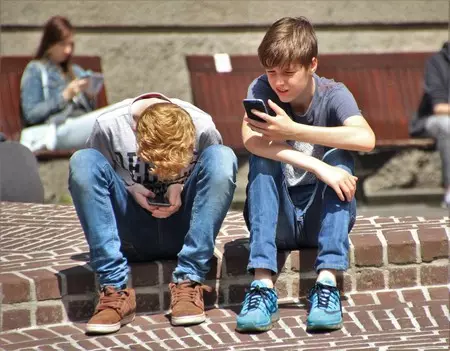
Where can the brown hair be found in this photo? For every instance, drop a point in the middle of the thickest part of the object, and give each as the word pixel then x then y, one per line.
pixel 288 40
pixel 166 136
pixel 55 30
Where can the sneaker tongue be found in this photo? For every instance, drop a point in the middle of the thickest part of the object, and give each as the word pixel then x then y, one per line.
pixel 258 283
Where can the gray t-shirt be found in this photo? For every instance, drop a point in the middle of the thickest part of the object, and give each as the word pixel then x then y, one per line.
pixel 331 105
pixel 113 136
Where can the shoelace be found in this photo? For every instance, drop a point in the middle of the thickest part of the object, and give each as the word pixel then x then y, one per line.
pixel 111 298
pixel 254 297
pixel 187 290
pixel 324 293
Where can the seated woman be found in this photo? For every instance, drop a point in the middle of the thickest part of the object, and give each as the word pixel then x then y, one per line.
pixel 53 93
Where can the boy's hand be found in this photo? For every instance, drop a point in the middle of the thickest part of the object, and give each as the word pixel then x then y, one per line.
pixel 174 196
pixel 279 127
pixel 342 182
pixel 140 194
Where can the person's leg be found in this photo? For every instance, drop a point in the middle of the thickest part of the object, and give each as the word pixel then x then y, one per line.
pixel 439 128
pixel 271 219
pixel 112 222
pixel 328 221
pixel 206 198
pixel 75 131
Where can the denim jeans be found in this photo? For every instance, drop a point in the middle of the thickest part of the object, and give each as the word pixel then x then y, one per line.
pixel 282 218
pixel 117 228
pixel 438 127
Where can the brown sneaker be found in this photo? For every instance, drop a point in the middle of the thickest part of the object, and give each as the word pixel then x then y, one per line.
pixel 186 302
pixel 114 309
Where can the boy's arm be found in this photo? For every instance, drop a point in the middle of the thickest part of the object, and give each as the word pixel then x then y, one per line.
pixel 343 183
pixel 355 134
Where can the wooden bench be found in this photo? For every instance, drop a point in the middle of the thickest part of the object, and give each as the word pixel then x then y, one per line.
pixel 387 87
pixel 11 69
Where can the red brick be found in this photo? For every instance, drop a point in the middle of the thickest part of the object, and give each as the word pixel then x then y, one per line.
pixel 304 260
pixel 79 280
pixel 49 314
pixel 144 274
pixel 368 250
pixel 413 295
pixel 369 279
pixel 147 302
pixel 15 289
pixel 47 284
pixel 363 299
pixel 439 293
pixel 402 277
pixel 401 247
pixel 388 299
pixel 433 243
pixel 14 319
pixel 433 275
pixel 215 271
pixel 80 310
pixel 168 266
pixel 236 259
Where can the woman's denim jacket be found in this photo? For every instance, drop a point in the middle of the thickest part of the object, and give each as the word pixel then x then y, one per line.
pixel 35 108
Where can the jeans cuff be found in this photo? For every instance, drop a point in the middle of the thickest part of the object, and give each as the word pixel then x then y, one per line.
pixel 251 267
pixel 335 266
pixel 179 277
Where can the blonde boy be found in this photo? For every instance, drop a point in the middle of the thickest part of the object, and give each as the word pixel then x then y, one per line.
pixel 301 185
pixel 147 146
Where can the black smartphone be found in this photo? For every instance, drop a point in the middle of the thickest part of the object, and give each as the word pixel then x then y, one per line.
pixel 254 104
pixel 159 200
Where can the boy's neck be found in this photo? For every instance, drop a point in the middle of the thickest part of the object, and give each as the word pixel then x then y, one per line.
pixel 302 102
pixel 139 106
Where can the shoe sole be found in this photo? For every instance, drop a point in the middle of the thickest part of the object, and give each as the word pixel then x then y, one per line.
pixel 187 320
pixel 323 327
pixel 261 328
pixel 108 328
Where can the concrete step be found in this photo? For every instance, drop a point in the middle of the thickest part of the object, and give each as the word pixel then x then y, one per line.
pixel 45 276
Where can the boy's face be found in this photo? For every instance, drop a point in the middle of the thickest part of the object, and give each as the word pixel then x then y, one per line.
pixel 291 82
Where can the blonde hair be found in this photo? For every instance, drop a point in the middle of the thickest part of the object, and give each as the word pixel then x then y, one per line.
pixel 288 40
pixel 165 136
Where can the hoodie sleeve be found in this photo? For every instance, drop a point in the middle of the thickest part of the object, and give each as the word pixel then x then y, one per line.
pixel 436 85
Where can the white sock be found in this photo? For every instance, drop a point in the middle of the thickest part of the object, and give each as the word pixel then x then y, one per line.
pixel 325 275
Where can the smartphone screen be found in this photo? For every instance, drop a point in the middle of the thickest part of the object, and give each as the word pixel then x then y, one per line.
pixel 254 104
pixel 158 200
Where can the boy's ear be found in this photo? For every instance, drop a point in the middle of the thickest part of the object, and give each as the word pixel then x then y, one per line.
pixel 313 66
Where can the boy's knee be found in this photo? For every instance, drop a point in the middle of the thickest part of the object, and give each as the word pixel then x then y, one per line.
pixel 340 158
pixel 221 161
pixel 82 163
pixel 263 165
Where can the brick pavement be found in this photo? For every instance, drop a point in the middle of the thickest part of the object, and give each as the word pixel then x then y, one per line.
pixel 401 319
pixel 45 278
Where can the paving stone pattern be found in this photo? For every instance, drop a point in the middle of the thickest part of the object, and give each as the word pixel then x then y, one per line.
pixel 45 278
pixel 404 319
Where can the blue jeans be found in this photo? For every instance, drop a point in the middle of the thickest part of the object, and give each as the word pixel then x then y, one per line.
pixel 282 218
pixel 117 227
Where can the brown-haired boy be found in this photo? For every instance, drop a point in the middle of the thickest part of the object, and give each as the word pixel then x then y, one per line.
pixel 301 185
pixel 147 146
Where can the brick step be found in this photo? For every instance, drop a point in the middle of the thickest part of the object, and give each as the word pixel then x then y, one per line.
pixel 45 276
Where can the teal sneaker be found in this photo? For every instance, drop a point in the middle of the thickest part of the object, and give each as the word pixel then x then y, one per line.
pixel 259 309
pixel 325 310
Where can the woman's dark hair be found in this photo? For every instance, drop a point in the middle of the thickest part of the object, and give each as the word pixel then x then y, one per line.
pixel 56 29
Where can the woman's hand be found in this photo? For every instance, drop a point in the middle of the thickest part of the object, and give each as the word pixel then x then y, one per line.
pixel 74 88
